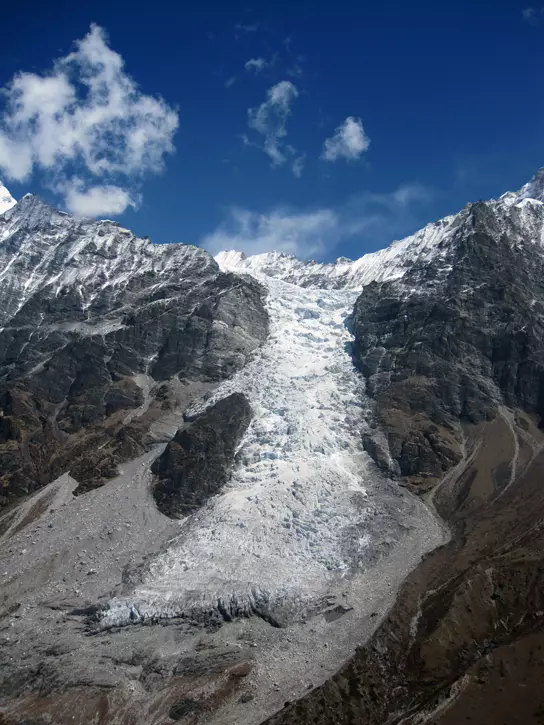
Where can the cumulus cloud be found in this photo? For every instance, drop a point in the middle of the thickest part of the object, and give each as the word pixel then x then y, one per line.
pixel 256 64
pixel 270 121
pixel 349 141
pixel 96 200
pixel 85 115
pixel 370 218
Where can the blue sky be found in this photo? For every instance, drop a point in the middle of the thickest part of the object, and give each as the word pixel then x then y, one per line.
pixel 425 106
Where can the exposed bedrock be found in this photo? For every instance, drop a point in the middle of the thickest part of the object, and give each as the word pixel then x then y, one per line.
pixel 102 332
pixel 197 462
pixel 451 342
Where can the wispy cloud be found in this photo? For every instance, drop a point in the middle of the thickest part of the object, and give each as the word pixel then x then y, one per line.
pixel 88 126
pixel 283 230
pixel 349 141
pixel 270 121
pixel 366 217
pixel 532 15
pixel 295 71
pixel 230 81
pixel 298 165
pixel 256 64
pixel 247 27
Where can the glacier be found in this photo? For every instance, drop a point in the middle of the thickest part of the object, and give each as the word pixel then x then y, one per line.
pixel 306 508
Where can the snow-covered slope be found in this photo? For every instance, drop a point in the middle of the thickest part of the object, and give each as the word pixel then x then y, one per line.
pixel 6 199
pixel 430 245
pixel 44 249
pixel 389 263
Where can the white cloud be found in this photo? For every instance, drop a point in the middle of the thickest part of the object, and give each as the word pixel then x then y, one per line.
pixel 248 28
pixel 370 218
pixel 349 141
pixel 97 200
pixel 533 16
pixel 256 64
pixel 298 165
pixel 304 234
pixel 87 114
pixel 407 194
pixel 270 120
pixel 296 71
pixel 230 82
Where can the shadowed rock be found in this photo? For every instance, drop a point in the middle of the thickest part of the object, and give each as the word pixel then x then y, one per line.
pixel 196 464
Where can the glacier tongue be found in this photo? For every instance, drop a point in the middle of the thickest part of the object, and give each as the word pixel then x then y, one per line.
pixel 305 506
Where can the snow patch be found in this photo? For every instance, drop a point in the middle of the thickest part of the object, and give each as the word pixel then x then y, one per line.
pixel 6 199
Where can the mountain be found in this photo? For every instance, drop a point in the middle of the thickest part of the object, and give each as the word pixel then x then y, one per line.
pixel 238 483
pixel 92 318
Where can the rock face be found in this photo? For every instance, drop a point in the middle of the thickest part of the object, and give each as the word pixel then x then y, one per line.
pixel 454 339
pixel 98 323
pixel 196 463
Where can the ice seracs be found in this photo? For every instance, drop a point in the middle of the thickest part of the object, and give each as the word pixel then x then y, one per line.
pixel 305 507
pixel 6 199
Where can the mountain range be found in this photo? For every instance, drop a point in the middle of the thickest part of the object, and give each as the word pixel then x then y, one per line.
pixel 258 487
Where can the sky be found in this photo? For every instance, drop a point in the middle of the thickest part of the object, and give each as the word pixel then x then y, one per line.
pixel 322 129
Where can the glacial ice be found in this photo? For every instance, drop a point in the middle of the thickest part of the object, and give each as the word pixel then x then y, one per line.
pixel 302 508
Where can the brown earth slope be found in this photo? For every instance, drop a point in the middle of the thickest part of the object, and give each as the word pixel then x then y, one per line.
pixel 452 355
pixel 465 640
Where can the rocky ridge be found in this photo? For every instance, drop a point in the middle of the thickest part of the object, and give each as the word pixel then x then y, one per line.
pixel 102 332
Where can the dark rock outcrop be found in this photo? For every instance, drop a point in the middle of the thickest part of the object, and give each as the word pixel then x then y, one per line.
pixel 94 322
pixel 196 464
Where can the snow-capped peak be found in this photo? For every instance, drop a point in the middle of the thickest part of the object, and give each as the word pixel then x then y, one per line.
pixel 430 243
pixel 533 190
pixel 6 199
